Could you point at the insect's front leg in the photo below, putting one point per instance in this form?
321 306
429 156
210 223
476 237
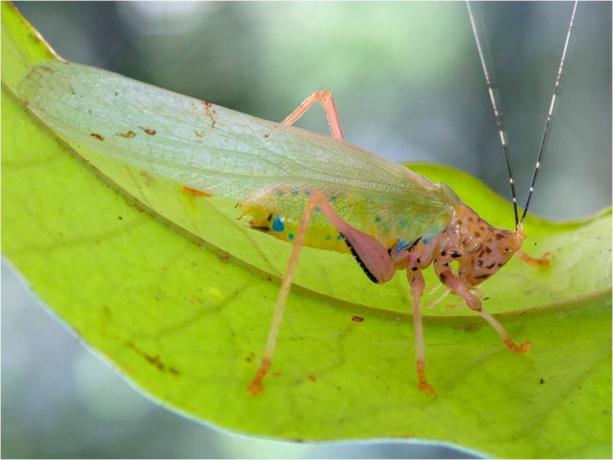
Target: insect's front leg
461 288
370 254
325 98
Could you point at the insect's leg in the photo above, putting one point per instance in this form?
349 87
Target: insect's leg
543 261
325 98
435 302
461 288
416 280
370 253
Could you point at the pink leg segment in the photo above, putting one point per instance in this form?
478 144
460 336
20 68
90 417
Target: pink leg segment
325 98
416 280
374 255
460 287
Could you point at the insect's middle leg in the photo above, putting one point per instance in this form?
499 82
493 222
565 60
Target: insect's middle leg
461 288
325 98
370 253
416 280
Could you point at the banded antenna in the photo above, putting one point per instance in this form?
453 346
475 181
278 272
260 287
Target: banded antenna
497 113
556 92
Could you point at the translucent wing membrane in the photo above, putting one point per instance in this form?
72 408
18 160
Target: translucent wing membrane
227 153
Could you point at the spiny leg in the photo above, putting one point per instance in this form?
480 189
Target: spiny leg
543 261
325 98
416 280
461 288
504 335
370 253
256 385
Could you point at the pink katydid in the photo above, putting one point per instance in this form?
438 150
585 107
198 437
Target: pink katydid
388 217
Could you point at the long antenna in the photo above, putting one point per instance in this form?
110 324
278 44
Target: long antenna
497 112
556 91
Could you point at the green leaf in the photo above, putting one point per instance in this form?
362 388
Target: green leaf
177 293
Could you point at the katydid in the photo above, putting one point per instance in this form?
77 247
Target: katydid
296 185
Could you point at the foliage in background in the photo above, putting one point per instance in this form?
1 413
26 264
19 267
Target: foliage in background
181 306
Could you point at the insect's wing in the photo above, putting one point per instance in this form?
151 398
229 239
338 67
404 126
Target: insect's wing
227 153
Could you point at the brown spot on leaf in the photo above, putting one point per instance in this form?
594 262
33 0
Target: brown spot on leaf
100 137
154 360
357 319
468 327
312 378
210 112
541 380
150 131
194 192
128 134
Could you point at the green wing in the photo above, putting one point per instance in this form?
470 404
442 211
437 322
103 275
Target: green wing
231 154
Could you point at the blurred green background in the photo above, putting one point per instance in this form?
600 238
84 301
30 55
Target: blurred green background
408 85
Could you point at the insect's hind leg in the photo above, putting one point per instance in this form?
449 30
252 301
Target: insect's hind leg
325 98
371 254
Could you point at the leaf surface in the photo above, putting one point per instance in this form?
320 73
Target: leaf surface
177 293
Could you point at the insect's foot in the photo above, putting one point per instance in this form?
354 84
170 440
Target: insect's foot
421 377
523 348
426 388
543 261
257 386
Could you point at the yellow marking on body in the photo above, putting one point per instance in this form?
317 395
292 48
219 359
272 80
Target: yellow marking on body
317 235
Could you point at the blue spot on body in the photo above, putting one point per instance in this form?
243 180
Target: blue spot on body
290 236
401 245
295 192
277 224
402 222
